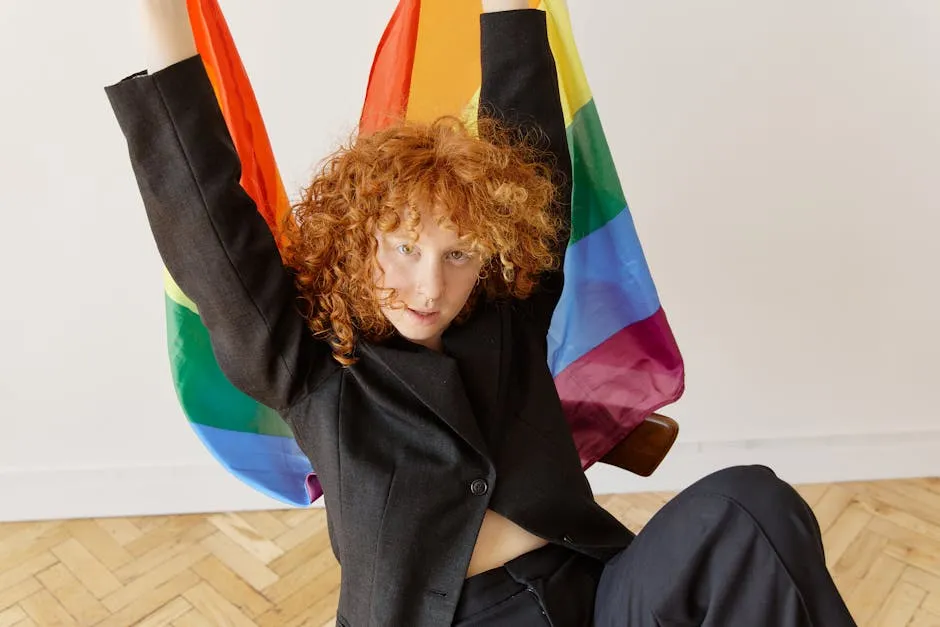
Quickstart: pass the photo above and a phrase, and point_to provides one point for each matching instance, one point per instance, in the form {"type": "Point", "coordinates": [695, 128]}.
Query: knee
{"type": "Point", "coordinates": [754, 474]}
{"type": "Point", "coordinates": [750, 484]}
{"type": "Point", "coordinates": [771, 503]}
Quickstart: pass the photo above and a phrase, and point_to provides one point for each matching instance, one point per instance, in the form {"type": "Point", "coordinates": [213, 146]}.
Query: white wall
{"type": "Point", "coordinates": [781, 160]}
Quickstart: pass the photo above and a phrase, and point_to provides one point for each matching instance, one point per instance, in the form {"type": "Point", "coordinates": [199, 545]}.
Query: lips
{"type": "Point", "coordinates": [423, 317]}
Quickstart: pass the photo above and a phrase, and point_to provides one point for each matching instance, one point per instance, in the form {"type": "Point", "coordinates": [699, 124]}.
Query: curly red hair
{"type": "Point", "coordinates": [497, 191]}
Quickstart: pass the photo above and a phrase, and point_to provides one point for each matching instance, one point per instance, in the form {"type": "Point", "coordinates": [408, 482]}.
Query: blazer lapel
{"type": "Point", "coordinates": [464, 386]}
{"type": "Point", "coordinates": [478, 348]}
{"type": "Point", "coordinates": [435, 379]}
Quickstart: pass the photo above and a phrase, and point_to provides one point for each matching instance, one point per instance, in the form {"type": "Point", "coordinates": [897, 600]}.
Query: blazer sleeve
{"type": "Point", "coordinates": [520, 86]}
{"type": "Point", "coordinates": [213, 241]}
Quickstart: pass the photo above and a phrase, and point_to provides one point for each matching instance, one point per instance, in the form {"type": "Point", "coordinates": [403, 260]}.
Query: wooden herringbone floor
{"type": "Point", "coordinates": [276, 568]}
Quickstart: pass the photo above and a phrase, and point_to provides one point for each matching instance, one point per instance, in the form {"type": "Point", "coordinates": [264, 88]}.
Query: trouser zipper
{"type": "Point", "coordinates": [538, 599]}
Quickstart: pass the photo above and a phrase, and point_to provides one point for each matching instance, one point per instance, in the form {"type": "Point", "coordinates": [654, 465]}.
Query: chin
{"type": "Point", "coordinates": [420, 337]}
{"type": "Point", "coordinates": [425, 336]}
{"type": "Point", "coordinates": [419, 329]}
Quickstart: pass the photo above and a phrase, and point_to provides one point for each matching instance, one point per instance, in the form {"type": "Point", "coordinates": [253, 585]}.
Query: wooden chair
{"type": "Point", "coordinates": [644, 449]}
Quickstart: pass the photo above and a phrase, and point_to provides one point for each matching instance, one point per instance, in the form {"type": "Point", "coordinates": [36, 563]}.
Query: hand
{"type": "Point", "coordinates": [492, 6]}
{"type": "Point", "coordinates": [168, 32]}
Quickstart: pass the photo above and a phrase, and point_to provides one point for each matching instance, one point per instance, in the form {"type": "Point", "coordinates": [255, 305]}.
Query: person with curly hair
{"type": "Point", "coordinates": [480, 209]}
{"type": "Point", "coordinates": [400, 331]}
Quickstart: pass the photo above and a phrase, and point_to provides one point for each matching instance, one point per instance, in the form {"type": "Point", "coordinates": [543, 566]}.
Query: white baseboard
{"type": "Point", "coordinates": [825, 459]}
{"type": "Point", "coordinates": [152, 490]}
{"type": "Point", "coordinates": [125, 491]}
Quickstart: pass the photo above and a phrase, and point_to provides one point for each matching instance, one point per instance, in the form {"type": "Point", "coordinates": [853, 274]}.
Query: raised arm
{"type": "Point", "coordinates": [520, 84]}
{"type": "Point", "coordinates": [208, 231]}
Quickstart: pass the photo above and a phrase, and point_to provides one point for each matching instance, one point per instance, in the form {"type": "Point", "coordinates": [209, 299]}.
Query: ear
{"type": "Point", "coordinates": [509, 269]}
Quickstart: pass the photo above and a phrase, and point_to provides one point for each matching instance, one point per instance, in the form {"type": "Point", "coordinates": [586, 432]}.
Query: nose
{"type": "Point", "coordinates": [430, 283]}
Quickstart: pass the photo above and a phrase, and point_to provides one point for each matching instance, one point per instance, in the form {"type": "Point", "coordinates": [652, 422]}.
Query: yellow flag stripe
{"type": "Point", "coordinates": [176, 294]}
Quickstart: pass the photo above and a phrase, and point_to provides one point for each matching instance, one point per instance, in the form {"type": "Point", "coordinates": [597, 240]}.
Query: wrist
{"type": "Point", "coordinates": [493, 6]}
{"type": "Point", "coordinates": [167, 31]}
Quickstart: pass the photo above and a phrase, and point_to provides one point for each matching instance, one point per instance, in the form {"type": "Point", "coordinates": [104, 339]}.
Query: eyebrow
{"type": "Point", "coordinates": [465, 241]}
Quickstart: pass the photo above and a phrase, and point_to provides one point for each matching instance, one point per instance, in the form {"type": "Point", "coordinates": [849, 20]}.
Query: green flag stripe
{"type": "Point", "coordinates": [207, 396]}
{"type": "Point", "coordinates": [597, 195]}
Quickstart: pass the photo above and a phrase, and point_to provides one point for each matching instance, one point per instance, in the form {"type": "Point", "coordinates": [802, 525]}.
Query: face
{"type": "Point", "coordinates": [433, 277]}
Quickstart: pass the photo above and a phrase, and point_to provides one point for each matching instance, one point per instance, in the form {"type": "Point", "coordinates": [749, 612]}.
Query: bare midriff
{"type": "Point", "coordinates": [499, 541]}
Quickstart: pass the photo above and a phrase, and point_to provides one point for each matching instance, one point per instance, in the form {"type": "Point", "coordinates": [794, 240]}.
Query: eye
{"type": "Point", "coordinates": [406, 249]}
{"type": "Point", "coordinates": [458, 256]}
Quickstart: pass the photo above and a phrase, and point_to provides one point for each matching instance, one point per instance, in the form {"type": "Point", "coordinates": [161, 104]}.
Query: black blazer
{"type": "Point", "coordinates": [411, 446]}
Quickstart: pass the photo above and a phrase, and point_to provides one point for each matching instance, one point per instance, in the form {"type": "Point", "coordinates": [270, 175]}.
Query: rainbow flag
{"type": "Point", "coordinates": [250, 440]}
{"type": "Point", "coordinates": [611, 350]}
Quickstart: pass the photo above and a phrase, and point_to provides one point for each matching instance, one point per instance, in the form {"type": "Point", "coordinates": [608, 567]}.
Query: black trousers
{"type": "Point", "coordinates": [739, 548]}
